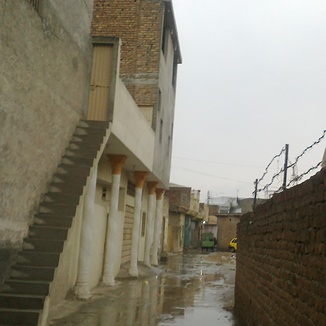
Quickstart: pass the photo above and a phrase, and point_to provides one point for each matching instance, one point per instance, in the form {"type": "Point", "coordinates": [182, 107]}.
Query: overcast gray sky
{"type": "Point", "coordinates": [253, 78]}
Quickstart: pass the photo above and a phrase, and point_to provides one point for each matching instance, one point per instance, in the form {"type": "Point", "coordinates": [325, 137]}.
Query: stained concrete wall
{"type": "Point", "coordinates": [280, 277]}
{"type": "Point", "coordinates": [43, 55]}
{"type": "Point", "coordinates": [176, 232]}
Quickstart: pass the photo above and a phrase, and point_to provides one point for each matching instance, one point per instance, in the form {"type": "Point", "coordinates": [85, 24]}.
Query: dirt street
{"type": "Point", "coordinates": [191, 289]}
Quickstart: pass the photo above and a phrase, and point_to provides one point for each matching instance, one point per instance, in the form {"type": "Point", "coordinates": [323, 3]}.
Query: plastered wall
{"type": "Point", "coordinates": [43, 54]}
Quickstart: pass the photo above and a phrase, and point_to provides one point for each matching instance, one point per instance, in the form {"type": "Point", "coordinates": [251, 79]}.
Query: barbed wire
{"type": "Point", "coordinates": [292, 165]}
{"type": "Point", "coordinates": [299, 177]}
{"type": "Point", "coordinates": [266, 169]}
{"type": "Point", "coordinates": [271, 182]}
{"type": "Point", "coordinates": [307, 148]}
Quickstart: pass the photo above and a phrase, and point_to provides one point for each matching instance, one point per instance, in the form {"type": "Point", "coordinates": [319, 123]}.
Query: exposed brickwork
{"type": "Point", "coordinates": [179, 198]}
{"type": "Point", "coordinates": [227, 229]}
{"type": "Point", "coordinates": [139, 25]}
{"type": "Point", "coordinates": [281, 259]}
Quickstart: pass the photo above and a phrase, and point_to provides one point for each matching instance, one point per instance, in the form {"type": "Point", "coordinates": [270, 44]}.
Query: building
{"type": "Point", "coordinates": [185, 218]}
{"type": "Point", "coordinates": [86, 133]}
{"type": "Point", "coordinates": [227, 212]}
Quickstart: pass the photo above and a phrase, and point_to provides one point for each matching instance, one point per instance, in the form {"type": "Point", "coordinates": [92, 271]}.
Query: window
{"type": "Point", "coordinates": [131, 189]}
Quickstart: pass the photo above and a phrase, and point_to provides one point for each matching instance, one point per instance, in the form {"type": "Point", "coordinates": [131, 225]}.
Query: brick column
{"type": "Point", "coordinates": [117, 162]}
{"type": "Point", "coordinates": [150, 221]}
{"type": "Point", "coordinates": [140, 177]}
{"type": "Point", "coordinates": [81, 288]}
{"type": "Point", "coordinates": [157, 227]}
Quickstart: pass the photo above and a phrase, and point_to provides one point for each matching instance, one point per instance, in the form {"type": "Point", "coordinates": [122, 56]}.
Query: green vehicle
{"type": "Point", "coordinates": [208, 241]}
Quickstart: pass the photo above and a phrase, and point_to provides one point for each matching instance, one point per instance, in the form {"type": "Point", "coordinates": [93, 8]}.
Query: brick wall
{"type": "Point", "coordinates": [139, 25]}
{"type": "Point", "coordinates": [227, 229]}
{"type": "Point", "coordinates": [179, 197]}
{"type": "Point", "coordinates": [281, 259]}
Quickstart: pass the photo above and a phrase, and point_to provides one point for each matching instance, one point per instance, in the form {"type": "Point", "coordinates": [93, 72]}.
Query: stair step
{"type": "Point", "coordinates": [87, 146]}
{"type": "Point", "coordinates": [37, 258]}
{"type": "Point", "coordinates": [64, 189]}
{"type": "Point", "coordinates": [19, 316]}
{"type": "Point", "coordinates": [81, 152]}
{"type": "Point", "coordinates": [53, 220]}
{"type": "Point", "coordinates": [92, 140]}
{"type": "Point", "coordinates": [81, 171]}
{"type": "Point", "coordinates": [48, 232]}
{"type": "Point", "coordinates": [21, 272]}
{"type": "Point", "coordinates": [93, 124]}
{"type": "Point", "coordinates": [53, 208]}
{"type": "Point", "coordinates": [78, 161]}
{"type": "Point", "coordinates": [21, 301]}
{"type": "Point", "coordinates": [91, 132]}
{"type": "Point", "coordinates": [26, 287]}
{"type": "Point", "coordinates": [43, 245]}
{"type": "Point", "coordinates": [69, 180]}
{"type": "Point", "coordinates": [62, 198]}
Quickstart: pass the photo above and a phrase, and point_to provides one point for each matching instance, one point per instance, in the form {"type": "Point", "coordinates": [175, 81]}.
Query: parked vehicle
{"type": "Point", "coordinates": [233, 245]}
{"type": "Point", "coordinates": [208, 241]}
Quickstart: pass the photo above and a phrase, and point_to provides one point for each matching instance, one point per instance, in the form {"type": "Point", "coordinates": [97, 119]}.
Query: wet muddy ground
{"type": "Point", "coordinates": [190, 289]}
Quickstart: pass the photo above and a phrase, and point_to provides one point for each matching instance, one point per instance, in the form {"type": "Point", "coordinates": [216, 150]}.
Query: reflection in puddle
{"type": "Point", "coordinates": [192, 291]}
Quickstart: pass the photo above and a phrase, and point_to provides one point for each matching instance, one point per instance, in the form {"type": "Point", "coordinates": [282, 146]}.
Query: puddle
{"type": "Point", "coordinates": [192, 290]}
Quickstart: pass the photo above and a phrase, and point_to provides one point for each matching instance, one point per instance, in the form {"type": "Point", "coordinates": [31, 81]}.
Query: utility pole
{"type": "Point", "coordinates": [285, 165]}
{"type": "Point", "coordinates": [256, 186]}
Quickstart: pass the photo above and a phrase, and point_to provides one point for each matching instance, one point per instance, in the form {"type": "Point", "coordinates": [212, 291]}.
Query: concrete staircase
{"type": "Point", "coordinates": [25, 292]}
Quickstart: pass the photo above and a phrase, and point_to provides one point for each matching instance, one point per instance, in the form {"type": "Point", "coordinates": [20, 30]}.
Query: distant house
{"type": "Point", "coordinates": [227, 211]}
{"type": "Point", "coordinates": [210, 225]}
{"type": "Point", "coordinates": [185, 218]}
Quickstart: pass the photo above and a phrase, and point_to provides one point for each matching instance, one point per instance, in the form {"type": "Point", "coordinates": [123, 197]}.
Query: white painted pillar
{"type": "Point", "coordinates": [155, 300]}
{"type": "Point", "coordinates": [140, 179]}
{"type": "Point", "coordinates": [131, 303]}
{"type": "Point", "coordinates": [150, 222]}
{"type": "Point", "coordinates": [157, 226]}
{"type": "Point", "coordinates": [81, 288]}
{"type": "Point", "coordinates": [111, 232]}
{"type": "Point", "coordinates": [146, 304]}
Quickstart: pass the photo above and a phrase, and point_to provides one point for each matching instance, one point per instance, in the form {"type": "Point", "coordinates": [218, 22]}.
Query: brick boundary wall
{"type": "Point", "coordinates": [281, 259]}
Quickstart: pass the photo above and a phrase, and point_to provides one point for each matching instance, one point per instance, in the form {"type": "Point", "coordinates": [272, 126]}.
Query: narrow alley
{"type": "Point", "coordinates": [191, 289]}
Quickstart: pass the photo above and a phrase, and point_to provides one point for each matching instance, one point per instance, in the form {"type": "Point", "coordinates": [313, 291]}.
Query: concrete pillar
{"type": "Point", "coordinates": [117, 162]}
{"type": "Point", "coordinates": [154, 300]}
{"type": "Point", "coordinates": [157, 226]}
{"type": "Point", "coordinates": [81, 288]}
{"type": "Point", "coordinates": [150, 221]}
{"type": "Point", "coordinates": [131, 306]}
{"type": "Point", "coordinates": [140, 177]}
{"type": "Point", "coordinates": [145, 303]}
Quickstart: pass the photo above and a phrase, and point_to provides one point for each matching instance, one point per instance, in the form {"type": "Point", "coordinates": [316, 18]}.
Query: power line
{"type": "Point", "coordinates": [218, 163]}
{"type": "Point", "coordinates": [211, 175]}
